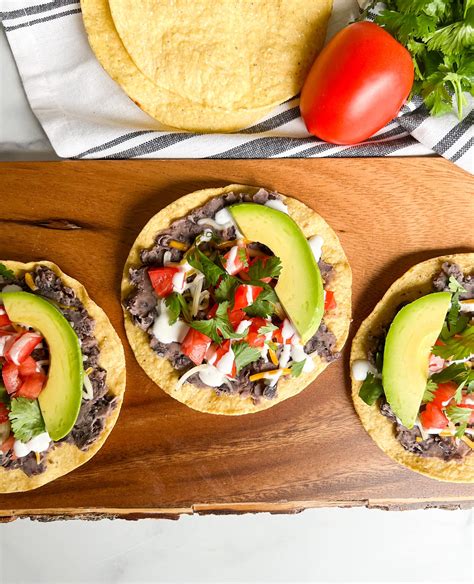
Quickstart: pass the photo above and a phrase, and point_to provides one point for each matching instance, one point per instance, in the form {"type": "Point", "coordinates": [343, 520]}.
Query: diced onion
{"type": "Point", "coordinates": [88, 391]}
{"type": "Point", "coordinates": [204, 299]}
{"type": "Point", "coordinates": [166, 257]}
{"type": "Point", "coordinates": [212, 223]}
{"type": "Point", "coordinates": [196, 289]}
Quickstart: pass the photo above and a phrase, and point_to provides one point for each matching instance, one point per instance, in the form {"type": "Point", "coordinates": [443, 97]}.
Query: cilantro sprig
{"type": "Point", "coordinates": [219, 324]}
{"type": "Point", "coordinates": [25, 418]}
{"type": "Point", "coordinates": [456, 347]}
{"type": "Point", "coordinates": [371, 389]}
{"type": "Point", "coordinates": [6, 273]}
{"type": "Point", "coordinates": [439, 34]}
{"type": "Point", "coordinates": [244, 354]}
{"type": "Point", "coordinates": [177, 305]}
{"type": "Point", "coordinates": [431, 387]}
{"type": "Point", "coordinates": [265, 268]}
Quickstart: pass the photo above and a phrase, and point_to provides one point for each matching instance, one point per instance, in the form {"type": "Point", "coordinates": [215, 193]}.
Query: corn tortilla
{"type": "Point", "coordinates": [161, 371]}
{"type": "Point", "coordinates": [413, 284]}
{"type": "Point", "coordinates": [63, 457]}
{"type": "Point", "coordinates": [171, 105]}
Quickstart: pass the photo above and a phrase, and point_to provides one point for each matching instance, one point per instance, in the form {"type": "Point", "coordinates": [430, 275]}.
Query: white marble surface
{"type": "Point", "coordinates": [326, 545]}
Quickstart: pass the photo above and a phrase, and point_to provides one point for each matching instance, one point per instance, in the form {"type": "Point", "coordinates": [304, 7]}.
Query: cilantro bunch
{"type": "Point", "coordinates": [439, 34]}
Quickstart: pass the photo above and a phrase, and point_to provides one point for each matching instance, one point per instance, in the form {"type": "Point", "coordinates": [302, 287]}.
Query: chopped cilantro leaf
{"type": "Point", "coordinates": [176, 305]}
{"type": "Point", "coordinates": [6, 273]}
{"type": "Point", "coordinates": [453, 372]}
{"type": "Point", "coordinates": [265, 268]}
{"type": "Point", "coordinates": [244, 354]}
{"type": "Point", "coordinates": [461, 430]}
{"type": "Point", "coordinates": [264, 304]}
{"type": "Point", "coordinates": [430, 389]}
{"type": "Point", "coordinates": [241, 252]}
{"type": "Point", "coordinates": [268, 328]}
{"type": "Point", "coordinates": [226, 288]}
{"type": "Point", "coordinates": [271, 345]}
{"type": "Point", "coordinates": [458, 415]}
{"type": "Point", "coordinates": [455, 286]}
{"type": "Point", "coordinates": [371, 389]}
{"type": "Point", "coordinates": [26, 419]}
{"type": "Point", "coordinates": [297, 368]}
{"type": "Point", "coordinates": [198, 260]}
{"type": "Point", "coordinates": [456, 347]}
{"type": "Point", "coordinates": [219, 324]}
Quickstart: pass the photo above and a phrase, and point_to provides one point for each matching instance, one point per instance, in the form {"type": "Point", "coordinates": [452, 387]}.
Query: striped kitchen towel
{"type": "Point", "coordinates": [86, 115]}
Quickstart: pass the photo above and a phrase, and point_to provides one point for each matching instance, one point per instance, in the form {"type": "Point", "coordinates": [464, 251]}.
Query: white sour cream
{"type": "Point", "coordinates": [361, 368]}
{"type": "Point", "coordinates": [467, 305]}
{"type": "Point", "coordinates": [166, 332]}
{"type": "Point", "coordinates": [39, 443]}
{"type": "Point", "coordinates": [285, 356]}
{"type": "Point", "coordinates": [278, 205]}
{"type": "Point", "coordinates": [226, 362]}
{"type": "Point", "coordinates": [288, 330]}
{"type": "Point", "coordinates": [211, 376]}
{"type": "Point", "coordinates": [243, 326]}
{"type": "Point", "coordinates": [224, 218]}
{"type": "Point", "coordinates": [298, 354]}
{"type": "Point", "coordinates": [316, 244]}
{"type": "Point", "coordinates": [179, 282]}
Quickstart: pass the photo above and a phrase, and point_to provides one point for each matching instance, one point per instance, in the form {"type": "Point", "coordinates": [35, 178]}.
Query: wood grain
{"type": "Point", "coordinates": [163, 459]}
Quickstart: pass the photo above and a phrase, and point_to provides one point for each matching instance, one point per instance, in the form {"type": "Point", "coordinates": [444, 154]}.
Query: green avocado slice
{"type": "Point", "coordinates": [408, 345]}
{"type": "Point", "coordinates": [60, 399]}
{"type": "Point", "coordinates": [300, 286]}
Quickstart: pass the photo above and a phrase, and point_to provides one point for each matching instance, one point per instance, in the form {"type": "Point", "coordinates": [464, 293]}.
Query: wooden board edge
{"type": "Point", "coordinates": [94, 514]}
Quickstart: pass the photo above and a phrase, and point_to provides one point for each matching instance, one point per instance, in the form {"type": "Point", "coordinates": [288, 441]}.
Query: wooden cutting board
{"type": "Point", "coordinates": [163, 459]}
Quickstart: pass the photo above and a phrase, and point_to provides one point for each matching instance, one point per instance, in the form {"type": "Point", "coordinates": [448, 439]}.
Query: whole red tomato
{"type": "Point", "coordinates": [357, 84]}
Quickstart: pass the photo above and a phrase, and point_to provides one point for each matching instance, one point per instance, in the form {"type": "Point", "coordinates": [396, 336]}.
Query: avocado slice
{"type": "Point", "coordinates": [300, 286]}
{"type": "Point", "coordinates": [60, 398]}
{"type": "Point", "coordinates": [408, 345]}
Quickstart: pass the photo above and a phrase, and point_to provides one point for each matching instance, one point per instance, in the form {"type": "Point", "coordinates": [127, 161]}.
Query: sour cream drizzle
{"type": "Point", "coordinates": [361, 368]}
{"type": "Point", "coordinates": [278, 205]}
{"type": "Point", "coordinates": [316, 244]}
{"type": "Point", "coordinates": [39, 443]}
{"type": "Point", "coordinates": [166, 332]}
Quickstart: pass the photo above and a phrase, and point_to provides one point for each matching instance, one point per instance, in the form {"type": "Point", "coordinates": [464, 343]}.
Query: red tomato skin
{"type": "Point", "coordinates": [3, 413]}
{"type": "Point", "coordinates": [236, 317]}
{"type": "Point", "coordinates": [433, 417]}
{"type": "Point", "coordinates": [162, 280]}
{"type": "Point", "coordinates": [8, 444]}
{"type": "Point", "coordinates": [11, 377]}
{"type": "Point", "coordinates": [28, 367]}
{"type": "Point", "coordinates": [239, 265]}
{"type": "Point", "coordinates": [443, 393]}
{"type": "Point", "coordinates": [357, 84]}
{"type": "Point", "coordinates": [4, 320]}
{"type": "Point", "coordinates": [240, 298]}
{"type": "Point", "coordinates": [195, 345]}
{"type": "Point", "coordinates": [32, 386]}
{"type": "Point", "coordinates": [21, 348]}
{"type": "Point", "coordinates": [329, 301]}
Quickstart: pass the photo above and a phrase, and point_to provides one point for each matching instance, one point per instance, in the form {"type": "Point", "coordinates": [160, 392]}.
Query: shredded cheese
{"type": "Point", "coordinates": [269, 374]}
{"type": "Point", "coordinates": [468, 441]}
{"type": "Point", "coordinates": [37, 454]}
{"type": "Point", "coordinates": [178, 245]}
{"type": "Point", "coordinates": [273, 357]}
{"type": "Point", "coordinates": [30, 282]}
{"type": "Point", "coordinates": [419, 439]}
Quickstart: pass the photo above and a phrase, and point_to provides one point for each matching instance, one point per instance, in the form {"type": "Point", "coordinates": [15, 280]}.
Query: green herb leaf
{"type": "Point", "coordinates": [212, 272]}
{"type": "Point", "coordinates": [176, 305]}
{"type": "Point", "coordinates": [264, 305]}
{"type": "Point", "coordinates": [430, 389]}
{"type": "Point", "coordinates": [458, 347]}
{"type": "Point", "coordinates": [265, 268]}
{"type": "Point", "coordinates": [461, 430]}
{"type": "Point", "coordinates": [26, 419]}
{"type": "Point", "coordinates": [268, 328]}
{"type": "Point", "coordinates": [454, 286]}
{"type": "Point", "coordinates": [244, 355]}
{"type": "Point", "coordinates": [458, 415]}
{"type": "Point", "coordinates": [219, 324]}
{"type": "Point", "coordinates": [451, 373]}
{"type": "Point", "coordinates": [297, 368]}
{"type": "Point", "coordinates": [6, 273]}
{"type": "Point", "coordinates": [226, 288]}
{"type": "Point", "coordinates": [4, 396]}
{"type": "Point", "coordinates": [271, 345]}
{"type": "Point", "coordinates": [241, 252]}
{"type": "Point", "coordinates": [371, 389]}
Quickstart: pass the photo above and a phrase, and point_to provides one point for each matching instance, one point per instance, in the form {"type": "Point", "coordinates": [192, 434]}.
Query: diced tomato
{"type": "Point", "coordinates": [195, 345]}
{"type": "Point", "coordinates": [277, 336]}
{"type": "Point", "coordinates": [6, 341]}
{"type": "Point", "coordinates": [263, 258]}
{"type": "Point", "coordinates": [444, 393]}
{"type": "Point", "coordinates": [220, 352]}
{"type": "Point", "coordinates": [254, 339]}
{"type": "Point", "coordinates": [162, 280]}
{"type": "Point", "coordinates": [245, 295]}
{"type": "Point", "coordinates": [212, 312]}
{"type": "Point", "coordinates": [22, 347]}
{"type": "Point", "coordinates": [28, 367]}
{"type": "Point", "coordinates": [433, 417]}
{"type": "Point", "coordinates": [3, 413]}
{"type": "Point", "coordinates": [463, 404]}
{"type": "Point", "coordinates": [8, 444]}
{"type": "Point", "coordinates": [4, 320]}
{"type": "Point", "coordinates": [329, 301]}
{"type": "Point", "coordinates": [440, 343]}
{"type": "Point", "coordinates": [32, 386]}
{"type": "Point", "coordinates": [11, 377]}
{"type": "Point", "coordinates": [236, 260]}
{"type": "Point", "coordinates": [236, 317]}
